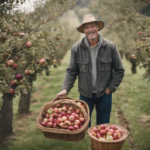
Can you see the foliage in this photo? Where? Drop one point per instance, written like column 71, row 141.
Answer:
column 141, row 47
column 46, row 37
column 119, row 18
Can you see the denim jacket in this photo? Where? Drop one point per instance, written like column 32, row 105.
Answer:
column 110, row 69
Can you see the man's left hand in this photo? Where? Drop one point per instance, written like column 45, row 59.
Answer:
column 108, row 91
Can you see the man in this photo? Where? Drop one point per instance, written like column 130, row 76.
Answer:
column 98, row 65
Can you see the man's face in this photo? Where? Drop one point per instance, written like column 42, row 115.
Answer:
column 91, row 30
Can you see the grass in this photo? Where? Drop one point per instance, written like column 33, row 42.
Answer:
column 131, row 98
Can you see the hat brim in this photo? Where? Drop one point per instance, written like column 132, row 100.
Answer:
column 100, row 26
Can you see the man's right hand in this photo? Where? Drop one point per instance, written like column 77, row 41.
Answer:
column 62, row 94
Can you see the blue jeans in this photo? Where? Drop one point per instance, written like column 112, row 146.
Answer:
column 103, row 107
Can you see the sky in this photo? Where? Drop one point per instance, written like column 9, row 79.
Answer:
column 28, row 6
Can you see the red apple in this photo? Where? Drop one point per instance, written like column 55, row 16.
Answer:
column 13, row 82
column 18, row 76
column 76, row 116
column 11, row 91
column 64, row 118
column 77, row 122
column 6, row 64
column 26, row 72
column 64, row 108
column 71, row 118
column 55, row 125
column 77, row 110
column 14, row 66
column 28, row 44
column 71, row 128
column 98, row 135
column 115, row 136
column 47, row 115
column 63, row 113
column 111, row 130
column 51, row 119
column 107, row 128
column 59, row 120
column 42, row 61
column 73, row 111
column 60, row 109
column 59, row 115
column 10, row 62
column 140, row 33
column 81, row 119
column 118, row 131
column 43, row 124
column 103, row 132
column 56, row 110
column 22, row 34
column 95, row 129
column 113, row 127
column 102, row 126
column 69, row 112
column 67, row 123
column 76, row 127
column 93, row 133
column 49, row 124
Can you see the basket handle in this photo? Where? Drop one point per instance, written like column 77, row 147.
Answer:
column 55, row 99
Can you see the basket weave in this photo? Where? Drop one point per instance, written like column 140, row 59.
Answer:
column 63, row 134
column 108, row 145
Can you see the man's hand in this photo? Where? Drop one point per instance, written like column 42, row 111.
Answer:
column 62, row 94
column 108, row 91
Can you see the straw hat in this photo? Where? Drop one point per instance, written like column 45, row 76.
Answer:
column 90, row 18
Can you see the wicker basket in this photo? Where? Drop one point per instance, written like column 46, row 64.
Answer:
column 63, row 134
column 108, row 145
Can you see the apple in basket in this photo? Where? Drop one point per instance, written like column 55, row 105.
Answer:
column 71, row 128
column 49, row 124
column 109, row 138
column 71, row 118
column 44, row 124
column 50, row 110
column 64, row 117
column 76, row 127
column 107, row 132
column 102, row 139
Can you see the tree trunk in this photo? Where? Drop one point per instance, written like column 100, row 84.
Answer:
column 133, row 68
column 47, row 70
column 133, row 62
column 6, row 116
column 24, row 102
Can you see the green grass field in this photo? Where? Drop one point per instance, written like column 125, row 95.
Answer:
column 130, row 101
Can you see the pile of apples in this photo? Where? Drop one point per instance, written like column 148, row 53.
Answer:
column 63, row 116
column 106, row 133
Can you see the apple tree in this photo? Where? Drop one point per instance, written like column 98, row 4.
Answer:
column 141, row 47
column 28, row 42
column 120, row 22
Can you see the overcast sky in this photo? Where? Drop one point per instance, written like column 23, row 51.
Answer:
column 28, row 6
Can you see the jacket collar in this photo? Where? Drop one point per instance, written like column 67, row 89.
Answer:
column 84, row 45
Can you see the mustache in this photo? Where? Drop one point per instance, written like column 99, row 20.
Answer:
column 90, row 32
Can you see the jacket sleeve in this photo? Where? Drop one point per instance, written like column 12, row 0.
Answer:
column 71, row 71
column 118, row 70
